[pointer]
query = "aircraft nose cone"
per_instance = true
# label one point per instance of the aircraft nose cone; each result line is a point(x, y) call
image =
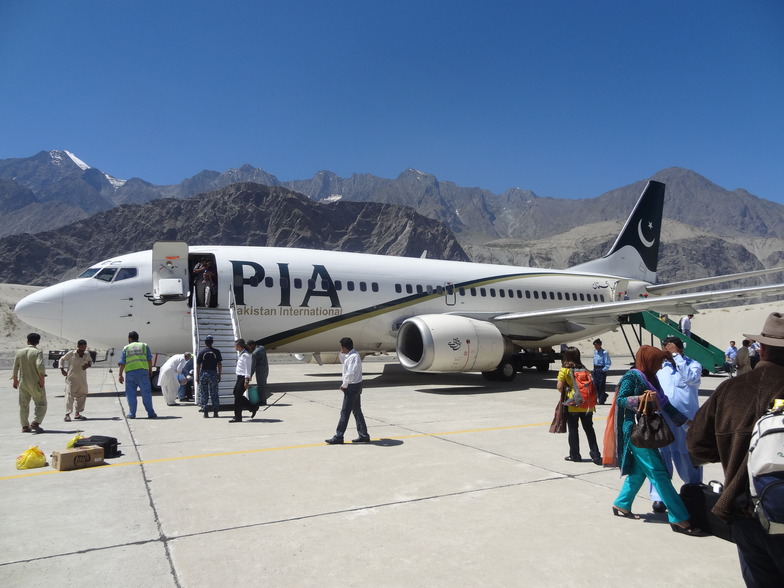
point(43, 309)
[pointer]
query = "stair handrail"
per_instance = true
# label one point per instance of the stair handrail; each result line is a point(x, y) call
point(194, 339)
point(235, 322)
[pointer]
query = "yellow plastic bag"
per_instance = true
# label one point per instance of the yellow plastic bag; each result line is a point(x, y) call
point(74, 440)
point(32, 458)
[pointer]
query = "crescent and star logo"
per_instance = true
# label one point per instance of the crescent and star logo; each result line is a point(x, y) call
point(645, 241)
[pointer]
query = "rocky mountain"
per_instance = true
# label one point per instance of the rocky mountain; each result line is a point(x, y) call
point(476, 215)
point(240, 214)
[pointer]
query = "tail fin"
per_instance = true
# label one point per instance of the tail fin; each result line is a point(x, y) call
point(635, 253)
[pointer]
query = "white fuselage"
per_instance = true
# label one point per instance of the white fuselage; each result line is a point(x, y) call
point(298, 300)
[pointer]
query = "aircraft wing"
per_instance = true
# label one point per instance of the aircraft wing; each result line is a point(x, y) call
point(569, 319)
point(660, 289)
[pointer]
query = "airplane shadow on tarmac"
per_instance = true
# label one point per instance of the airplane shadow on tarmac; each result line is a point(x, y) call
point(459, 383)
point(445, 383)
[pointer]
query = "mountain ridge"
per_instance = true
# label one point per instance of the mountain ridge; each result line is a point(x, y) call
point(476, 215)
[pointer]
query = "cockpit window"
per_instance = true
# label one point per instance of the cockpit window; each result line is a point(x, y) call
point(125, 273)
point(88, 273)
point(106, 274)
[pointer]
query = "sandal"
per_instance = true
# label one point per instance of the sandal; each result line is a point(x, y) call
point(67, 418)
point(693, 531)
point(80, 417)
point(624, 513)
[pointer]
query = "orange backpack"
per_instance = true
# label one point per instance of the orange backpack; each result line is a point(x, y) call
point(584, 390)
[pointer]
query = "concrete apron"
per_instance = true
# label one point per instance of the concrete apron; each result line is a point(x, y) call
point(461, 486)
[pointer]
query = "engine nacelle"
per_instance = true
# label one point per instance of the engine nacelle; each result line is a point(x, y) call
point(448, 343)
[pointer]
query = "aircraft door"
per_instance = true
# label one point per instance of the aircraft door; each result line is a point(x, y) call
point(618, 289)
point(169, 271)
point(450, 297)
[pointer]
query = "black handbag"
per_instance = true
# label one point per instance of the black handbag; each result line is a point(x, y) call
point(650, 430)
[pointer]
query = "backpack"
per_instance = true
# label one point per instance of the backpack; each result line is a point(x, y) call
point(766, 469)
point(584, 394)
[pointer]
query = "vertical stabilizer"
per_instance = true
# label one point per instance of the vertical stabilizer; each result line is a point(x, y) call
point(635, 253)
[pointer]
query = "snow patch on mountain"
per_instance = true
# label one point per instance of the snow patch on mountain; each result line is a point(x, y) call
point(77, 161)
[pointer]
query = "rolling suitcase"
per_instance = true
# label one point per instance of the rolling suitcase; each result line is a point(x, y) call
point(109, 445)
point(699, 499)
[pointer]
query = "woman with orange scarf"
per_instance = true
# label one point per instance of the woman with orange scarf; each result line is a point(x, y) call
point(638, 463)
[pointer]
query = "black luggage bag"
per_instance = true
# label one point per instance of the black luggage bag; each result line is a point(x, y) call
point(699, 499)
point(109, 445)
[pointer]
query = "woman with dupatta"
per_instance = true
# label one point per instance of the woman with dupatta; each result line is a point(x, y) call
point(638, 463)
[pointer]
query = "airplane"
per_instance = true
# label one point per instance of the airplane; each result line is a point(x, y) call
point(437, 316)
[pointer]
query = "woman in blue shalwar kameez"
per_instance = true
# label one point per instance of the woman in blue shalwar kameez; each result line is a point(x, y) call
point(638, 463)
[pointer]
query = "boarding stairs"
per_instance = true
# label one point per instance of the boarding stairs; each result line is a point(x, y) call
point(223, 326)
point(659, 326)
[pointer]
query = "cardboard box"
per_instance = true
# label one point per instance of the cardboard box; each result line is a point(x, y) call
point(76, 459)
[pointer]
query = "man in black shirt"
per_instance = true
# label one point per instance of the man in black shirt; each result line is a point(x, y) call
point(208, 374)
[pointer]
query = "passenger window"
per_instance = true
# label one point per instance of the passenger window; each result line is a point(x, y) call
point(350, 286)
point(398, 289)
point(106, 274)
point(126, 273)
point(338, 285)
point(502, 293)
point(492, 292)
point(582, 297)
point(527, 293)
point(462, 291)
point(409, 289)
point(362, 287)
point(269, 282)
point(552, 296)
point(374, 286)
point(560, 296)
point(536, 295)
point(419, 289)
point(430, 289)
point(473, 291)
point(482, 292)
point(298, 283)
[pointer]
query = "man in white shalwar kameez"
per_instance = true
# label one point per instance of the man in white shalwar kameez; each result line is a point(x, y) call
point(167, 377)
point(73, 365)
point(681, 384)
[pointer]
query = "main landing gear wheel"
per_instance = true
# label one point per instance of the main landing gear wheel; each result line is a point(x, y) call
point(505, 372)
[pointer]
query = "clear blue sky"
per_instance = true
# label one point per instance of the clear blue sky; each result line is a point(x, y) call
point(566, 98)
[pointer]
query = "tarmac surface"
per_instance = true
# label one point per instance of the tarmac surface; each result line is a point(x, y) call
point(462, 485)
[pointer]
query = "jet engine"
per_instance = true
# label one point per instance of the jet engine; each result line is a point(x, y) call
point(449, 343)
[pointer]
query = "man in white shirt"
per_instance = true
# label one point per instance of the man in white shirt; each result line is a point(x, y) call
point(352, 394)
point(681, 385)
point(685, 324)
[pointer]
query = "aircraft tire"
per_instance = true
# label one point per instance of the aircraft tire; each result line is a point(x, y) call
point(505, 372)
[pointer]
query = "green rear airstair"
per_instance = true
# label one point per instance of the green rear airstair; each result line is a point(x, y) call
point(658, 325)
